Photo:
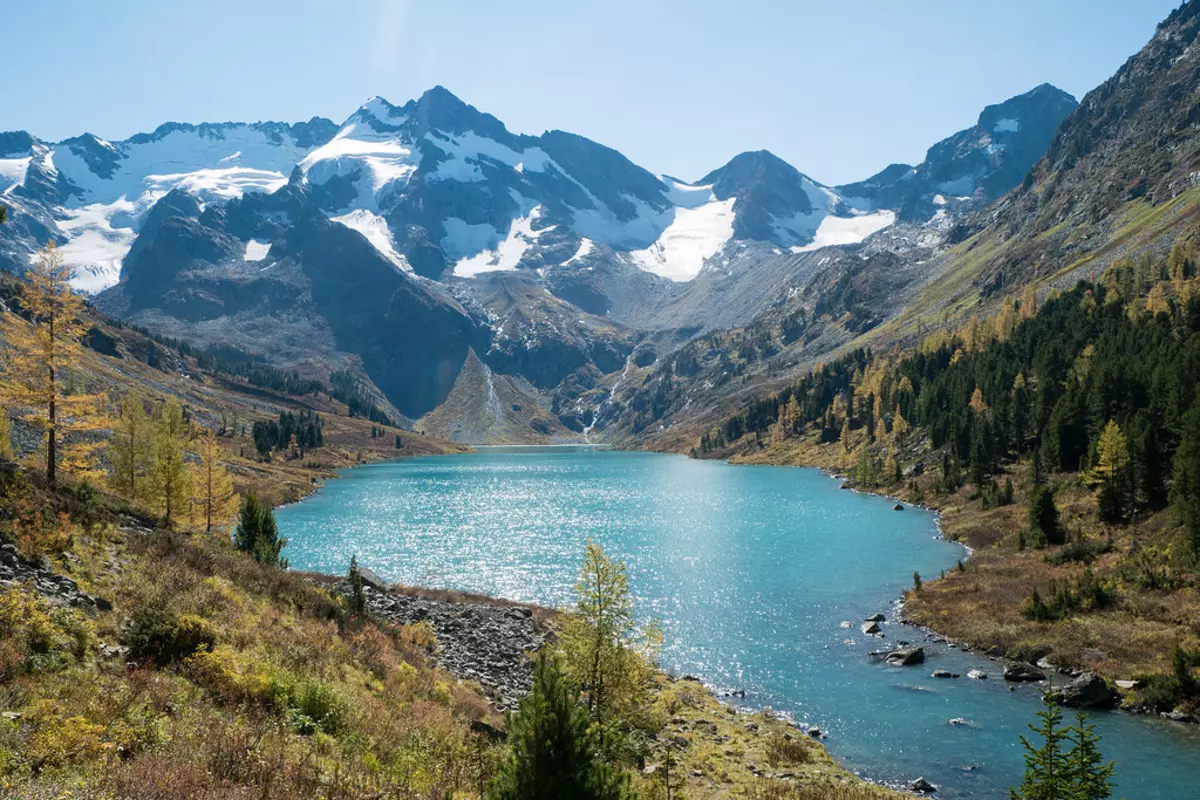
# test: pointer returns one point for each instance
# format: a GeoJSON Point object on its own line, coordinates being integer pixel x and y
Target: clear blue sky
{"type": "Point", "coordinates": [840, 88]}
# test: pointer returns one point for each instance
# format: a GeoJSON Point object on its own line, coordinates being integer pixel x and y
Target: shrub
{"type": "Point", "coordinates": [160, 636]}
{"type": "Point", "coordinates": [1080, 552]}
{"type": "Point", "coordinates": [318, 702]}
{"type": "Point", "coordinates": [35, 637]}
{"type": "Point", "coordinates": [1086, 593]}
{"type": "Point", "coordinates": [783, 749]}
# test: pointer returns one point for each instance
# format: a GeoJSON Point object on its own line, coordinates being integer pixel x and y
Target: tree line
{"type": "Point", "coordinates": [1101, 379]}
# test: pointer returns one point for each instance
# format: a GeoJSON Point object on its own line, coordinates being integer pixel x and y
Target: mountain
{"type": "Point", "coordinates": [974, 166]}
{"type": "Point", "coordinates": [91, 193]}
{"type": "Point", "coordinates": [1121, 175]}
{"type": "Point", "coordinates": [1118, 184]}
{"type": "Point", "coordinates": [480, 283]}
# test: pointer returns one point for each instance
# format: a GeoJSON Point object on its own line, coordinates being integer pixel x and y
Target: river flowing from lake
{"type": "Point", "coordinates": [752, 571]}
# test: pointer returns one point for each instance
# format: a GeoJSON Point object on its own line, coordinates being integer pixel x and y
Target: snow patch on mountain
{"type": "Point", "coordinates": [385, 158]}
{"type": "Point", "coordinates": [375, 228]}
{"type": "Point", "coordinates": [93, 245]}
{"type": "Point", "coordinates": [215, 184]}
{"type": "Point", "coordinates": [696, 234]}
{"type": "Point", "coordinates": [13, 172]}
{"type": "Point", "coordinates": [507, 253]}
{"type": "Point", "coordinates": [256, 250]}
{"type": "Point", "coordinates": [586, 246]}
{"type": "Point", "coordinates": [467, 151]}
{"type": "Point", "coordinates": [1006, 125]}
{"type": "Point", "coordinates": [847, 230]}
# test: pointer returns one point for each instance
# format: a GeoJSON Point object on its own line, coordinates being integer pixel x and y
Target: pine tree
{"type": "Point", "coordinates": [1111, 473]}
{"type": "Point", "coordinates": [1045, 766]}
{"type": "Point", "coordinates": [40, 359]}
{"type": "Point", "coordinates": [1043, 516]}
{"type": "Point", "coordinates": [215, 496]}
{"type": "Point", "coordinates": [170, 479]}
{"type": "Point", "coordinates": [358, 597]}
{"type": "Point", "coordinates": [1185, 488]}
{"type": "Point", "coordinates": [257, 533]}
{"type": "Point", "coordinates": [129, 450]}
{"type": "Point", "coordinates": [1088, 776]}
{"type": "Point", "coordinates": [552, 753]}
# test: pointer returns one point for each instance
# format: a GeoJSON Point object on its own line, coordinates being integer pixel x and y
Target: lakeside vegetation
{"type": "Point", "coordinates": [184, 659]}
{"type": "Point", "coordinates": [1061, 441]}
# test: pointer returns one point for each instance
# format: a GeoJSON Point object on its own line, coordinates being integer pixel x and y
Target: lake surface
{"type": "Point", "coordinates": [751, 570]}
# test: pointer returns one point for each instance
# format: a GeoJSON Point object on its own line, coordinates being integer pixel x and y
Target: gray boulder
{"type": "Point", "coordinates": [1089, 690]}
{"type": "Point", "coordinates": [922, 786]}
{"type": "Point", "coordinates": [1020, 672]}
{"type": "Point", "coordinates": [369, 578]}
{"type": "Point", "coordinates": [871, 628]}
{"type": "Point", "coordinates": [906, 656]}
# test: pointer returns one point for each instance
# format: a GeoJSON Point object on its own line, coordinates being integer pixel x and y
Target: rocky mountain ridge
{"type": "Point", "coordinates": [490, 285]}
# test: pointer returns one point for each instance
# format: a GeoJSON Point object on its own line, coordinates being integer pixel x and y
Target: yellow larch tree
{"type": "Point", "coordinates": [43, 351]}
{"type": "Point", "coordinates": [899, 426]}
{"type": "Point", "coordinates": [130, 449]}
{"type": "Point", "coordinates": [170, 477]}
{"type": "Point", "coordinates": [215, 499]}
{"type": "Point", "coordinates": [978, 405]}
{"type": "Point", "coordinates": [1028, 302]}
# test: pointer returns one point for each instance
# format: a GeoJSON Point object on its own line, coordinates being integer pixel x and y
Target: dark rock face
{"type": "Point", "coordinates": [1020, 672]}
{"type": "Point", "coordinates": [980, 163]}
{"type": "Point", "coordinates": [59, 589]}
{"type": "Point", "coordinates": [1089, 690]}
{"type": "Point", "coordinates": [1133, 137]}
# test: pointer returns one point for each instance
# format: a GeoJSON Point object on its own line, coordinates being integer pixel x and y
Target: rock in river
{"type": "Point", "coordinates": [977, 674]}
{"type": "Point", "coordinates": [1020, 672]}
{"type": "Point", "coordinates": [876, 617]}
{"type": "Point", "coordinates": [870, 628]}
{"type": "Point", "coordinates": [1089, 690]}
{"type": "Point", "coordinates": [906, 656]}
{"type": "Point", "coordinates": [922, 786]}
{"type": "Point", "coordinates": [944, 673]}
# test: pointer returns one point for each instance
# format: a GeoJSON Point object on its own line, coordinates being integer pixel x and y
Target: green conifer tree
{"type": "Point", "coordinates": [358, 597]}
{"type": "Point", "coordinates": [1185, 488]}
{"type": "Point", "coordinates": [257, 533]}
{"type": "Point", "coordinates": [1045, 766]}
{"type": "Point", "coordinates": [552, 754]}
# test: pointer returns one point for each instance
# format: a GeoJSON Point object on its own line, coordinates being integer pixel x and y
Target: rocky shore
{"type": "Point", "coordinates": [491, 643]}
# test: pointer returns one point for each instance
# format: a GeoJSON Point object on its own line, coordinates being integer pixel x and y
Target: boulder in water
{"type": "Point", "coordinates": [871, 628]}
{"type": "Point", "coordinates": [906, 656]}
{"type": "Point", "coordinates": [922, 786]}
{"type": "Point", "coordinates": [1020, 672]}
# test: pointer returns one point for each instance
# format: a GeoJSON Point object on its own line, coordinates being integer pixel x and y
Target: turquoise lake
{"type": "Point", "coordinates": [751, 570]}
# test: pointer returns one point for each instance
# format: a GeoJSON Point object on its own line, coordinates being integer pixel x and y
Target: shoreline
{"type": "Point", "coordinates": [961, 644]}
{"type": "Point", "coordinates": [545, 617]}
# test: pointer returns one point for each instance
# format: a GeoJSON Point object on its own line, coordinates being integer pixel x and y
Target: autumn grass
{"type": "Point", "coordinates": [726, 754]}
